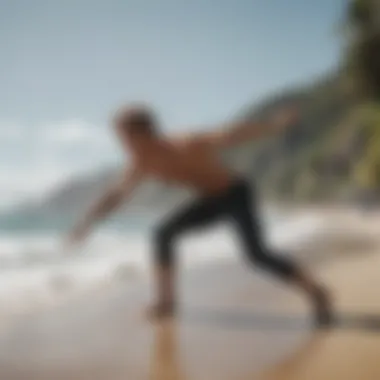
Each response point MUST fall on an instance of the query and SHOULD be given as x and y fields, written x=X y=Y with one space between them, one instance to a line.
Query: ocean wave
x=35 y=272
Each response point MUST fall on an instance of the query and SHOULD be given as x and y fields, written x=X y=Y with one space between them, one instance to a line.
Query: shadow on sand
x=239 y=319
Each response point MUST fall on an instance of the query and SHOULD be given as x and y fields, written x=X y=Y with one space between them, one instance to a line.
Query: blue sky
x=66 y=64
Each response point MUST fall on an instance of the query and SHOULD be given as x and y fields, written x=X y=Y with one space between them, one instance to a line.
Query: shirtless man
x=222 y=195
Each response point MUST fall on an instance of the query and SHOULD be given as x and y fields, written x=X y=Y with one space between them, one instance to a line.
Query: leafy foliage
x=363 y=55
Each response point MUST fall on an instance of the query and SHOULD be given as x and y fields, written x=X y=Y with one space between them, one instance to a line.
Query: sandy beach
x=233 y=323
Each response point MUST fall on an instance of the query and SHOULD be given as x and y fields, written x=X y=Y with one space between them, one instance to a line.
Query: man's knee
x=162 y=236
x=163 y=241
x=276 y=264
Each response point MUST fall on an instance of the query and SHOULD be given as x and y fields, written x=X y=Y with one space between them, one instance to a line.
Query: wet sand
x=233 y=325
x=350 y=349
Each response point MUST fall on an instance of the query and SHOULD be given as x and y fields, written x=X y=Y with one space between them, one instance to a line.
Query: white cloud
x=29 y=181
x=74 y=132
x=40 y=157
x=69 y=134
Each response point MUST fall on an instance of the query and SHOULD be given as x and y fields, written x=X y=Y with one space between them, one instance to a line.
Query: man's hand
x=108 y=203
x=285 y=118
x=75 y=238
x=78 y=235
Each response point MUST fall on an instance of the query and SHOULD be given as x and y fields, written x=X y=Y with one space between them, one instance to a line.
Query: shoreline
x=346 y=231
x=234 y=323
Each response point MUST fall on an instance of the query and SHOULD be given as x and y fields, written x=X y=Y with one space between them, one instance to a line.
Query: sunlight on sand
x=248 y=327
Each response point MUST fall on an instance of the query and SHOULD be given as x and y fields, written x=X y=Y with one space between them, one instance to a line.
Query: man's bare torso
x=186 y=163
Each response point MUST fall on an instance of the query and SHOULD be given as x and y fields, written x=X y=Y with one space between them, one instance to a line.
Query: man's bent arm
x=108 y=203
x=238 y=133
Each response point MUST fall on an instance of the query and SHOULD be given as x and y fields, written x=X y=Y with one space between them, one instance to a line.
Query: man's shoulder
x=187 y=141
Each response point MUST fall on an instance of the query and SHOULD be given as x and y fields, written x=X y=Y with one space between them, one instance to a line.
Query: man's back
x=189 y=163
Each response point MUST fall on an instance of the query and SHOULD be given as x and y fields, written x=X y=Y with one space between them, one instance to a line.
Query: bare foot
x=160 y=311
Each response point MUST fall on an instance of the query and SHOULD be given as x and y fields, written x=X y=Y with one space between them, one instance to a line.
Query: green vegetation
x=335 y=151
x=368 y=168
x=363 y=57
x=364 y=62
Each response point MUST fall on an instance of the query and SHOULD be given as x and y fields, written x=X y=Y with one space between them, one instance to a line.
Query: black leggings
x=237 y=205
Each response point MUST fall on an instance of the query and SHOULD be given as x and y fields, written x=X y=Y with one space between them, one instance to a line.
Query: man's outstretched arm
x=238 y=133
x=108 y=203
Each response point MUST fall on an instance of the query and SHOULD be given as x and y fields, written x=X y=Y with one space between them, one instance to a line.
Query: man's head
x=136 y=126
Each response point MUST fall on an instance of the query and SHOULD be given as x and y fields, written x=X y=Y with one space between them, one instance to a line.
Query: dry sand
x=233 y=325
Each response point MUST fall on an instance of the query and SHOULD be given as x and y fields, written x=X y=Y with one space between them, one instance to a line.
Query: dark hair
x=136 y=119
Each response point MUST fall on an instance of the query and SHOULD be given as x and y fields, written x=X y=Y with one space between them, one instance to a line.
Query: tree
x=363 y=63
